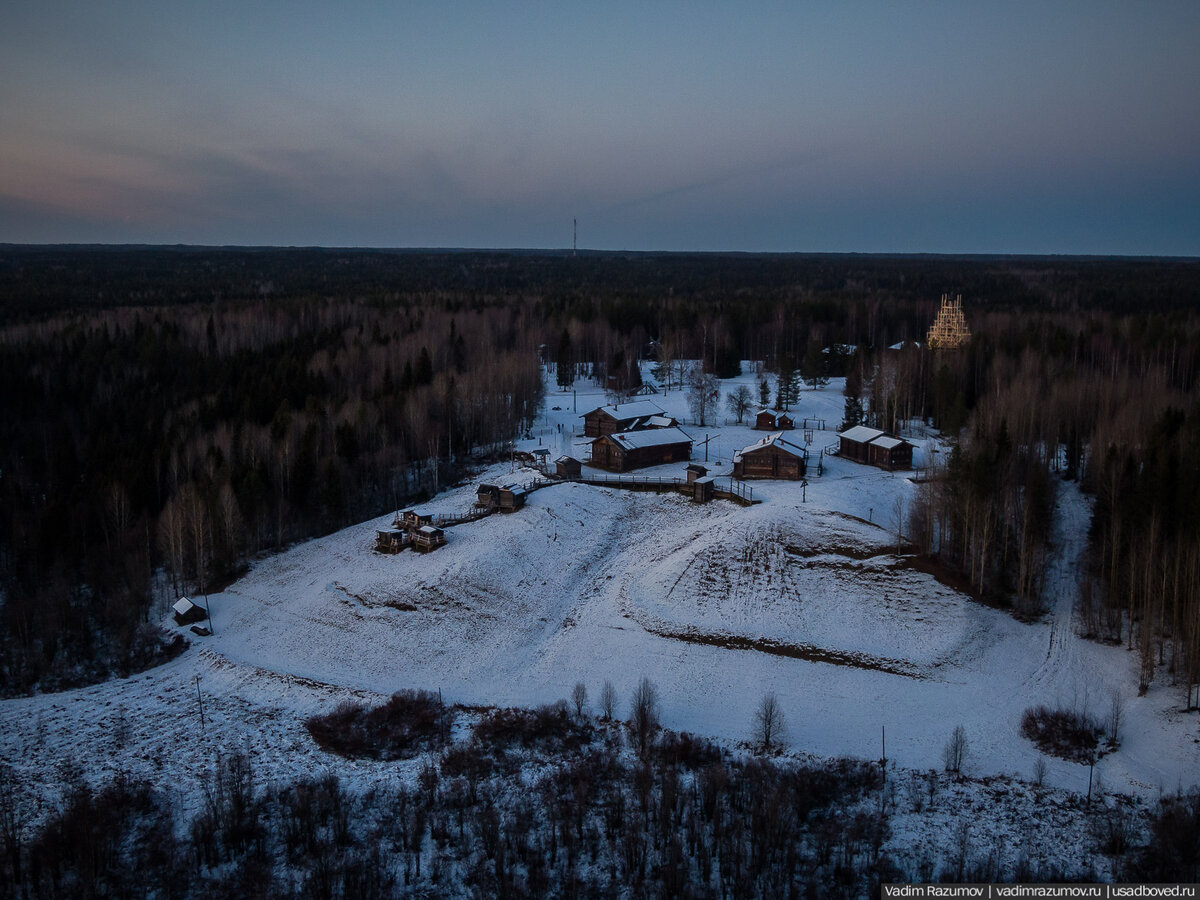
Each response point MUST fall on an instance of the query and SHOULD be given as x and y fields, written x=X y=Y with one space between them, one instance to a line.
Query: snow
x=772 y=440
x=716 y=603
x=861 y=433
x=656 y=437
x=636 y=410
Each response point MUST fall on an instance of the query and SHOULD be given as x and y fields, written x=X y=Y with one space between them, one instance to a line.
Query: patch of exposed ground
x=792 y=651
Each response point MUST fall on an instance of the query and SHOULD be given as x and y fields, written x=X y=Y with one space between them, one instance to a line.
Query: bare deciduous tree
x=739 y=402
x=579 y=698
x=608 y=701
x=703 y=391
x=769 y=727
x=1116 y=712
x=954 y=754
x=643 y=714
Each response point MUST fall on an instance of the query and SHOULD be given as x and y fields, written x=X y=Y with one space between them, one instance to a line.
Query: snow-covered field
x=717 y=604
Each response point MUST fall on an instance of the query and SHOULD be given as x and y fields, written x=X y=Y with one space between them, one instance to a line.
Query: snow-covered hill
x=801 y=595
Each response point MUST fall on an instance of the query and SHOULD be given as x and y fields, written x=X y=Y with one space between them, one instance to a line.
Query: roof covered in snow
x=182 y=605
x=636 y=410
x=861 y=433
x=658 y=437
x=775 y=439
x=888 y=442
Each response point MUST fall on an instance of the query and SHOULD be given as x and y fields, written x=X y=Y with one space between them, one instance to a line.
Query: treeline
x=189 y=437
x=1107 y=399
x=178 y=410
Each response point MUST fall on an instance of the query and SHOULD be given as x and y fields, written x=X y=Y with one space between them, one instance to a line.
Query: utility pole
x=575 y=238
x=883 y=758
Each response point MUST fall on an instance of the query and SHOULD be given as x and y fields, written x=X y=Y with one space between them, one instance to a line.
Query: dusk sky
x=951 y=127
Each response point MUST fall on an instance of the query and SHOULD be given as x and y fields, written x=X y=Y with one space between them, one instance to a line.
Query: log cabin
x=874 y=447
x=768 y=420
x=772 y=457
x=638 y=449
x=636 y=416
x=568 y=467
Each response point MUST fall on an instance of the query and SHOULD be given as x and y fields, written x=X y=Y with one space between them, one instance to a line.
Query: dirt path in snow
x=1071 y=516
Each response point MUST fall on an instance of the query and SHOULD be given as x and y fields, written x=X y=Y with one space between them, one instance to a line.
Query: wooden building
x=638 y=449
x=772 y=457
x=187 y=612
x=890 y=453
x=487 y=496
x=874 y=447
x=391 y=540
x=568 y=467
x=512 y=498
x=769 y=420
x=636 y=416
x=428 y=538
x=694 y=471
x=411 y=520
x=703 y=488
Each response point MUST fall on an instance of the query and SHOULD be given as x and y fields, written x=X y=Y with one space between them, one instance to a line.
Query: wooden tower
x=949 y=330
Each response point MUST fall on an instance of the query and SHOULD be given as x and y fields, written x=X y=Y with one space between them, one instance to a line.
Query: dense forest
x=166 y=413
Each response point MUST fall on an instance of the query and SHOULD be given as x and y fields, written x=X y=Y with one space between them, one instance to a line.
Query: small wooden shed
x=695 y=471
x=411 y=520
x=702 y=489
x=428 y=538
x=187 y=612
x=568 y=467
x=768 y=420
x=512 y=498
x=391 y=540
x=487 y=496
x=875 y=448
x=890 y=453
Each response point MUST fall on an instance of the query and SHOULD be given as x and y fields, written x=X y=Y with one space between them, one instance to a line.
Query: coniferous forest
x=167 y=413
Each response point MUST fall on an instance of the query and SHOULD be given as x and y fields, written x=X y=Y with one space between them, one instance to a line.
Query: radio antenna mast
x=575 y=238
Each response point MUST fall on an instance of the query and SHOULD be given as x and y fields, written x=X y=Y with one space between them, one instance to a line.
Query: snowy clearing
x=717 y=604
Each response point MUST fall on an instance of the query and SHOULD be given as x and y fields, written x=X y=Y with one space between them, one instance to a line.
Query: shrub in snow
x=409 y=722
x=549 y=729
x=1062 y=733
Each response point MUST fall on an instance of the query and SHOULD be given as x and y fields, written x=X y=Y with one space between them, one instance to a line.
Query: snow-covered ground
x=717 y=604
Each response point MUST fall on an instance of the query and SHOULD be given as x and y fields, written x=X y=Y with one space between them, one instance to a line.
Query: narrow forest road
x=1072 y=515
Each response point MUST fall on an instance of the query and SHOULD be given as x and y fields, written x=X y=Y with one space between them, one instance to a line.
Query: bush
x=1068 y=735
x=411 y=721
x=547 y=728
x=688 y=751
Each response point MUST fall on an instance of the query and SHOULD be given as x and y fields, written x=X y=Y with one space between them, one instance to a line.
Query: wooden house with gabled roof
x=568 y=467
x=637 y=416
x=187 y=612
x=772 y=457
x=875 y=447
x=638 y=449
x=770 y=420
